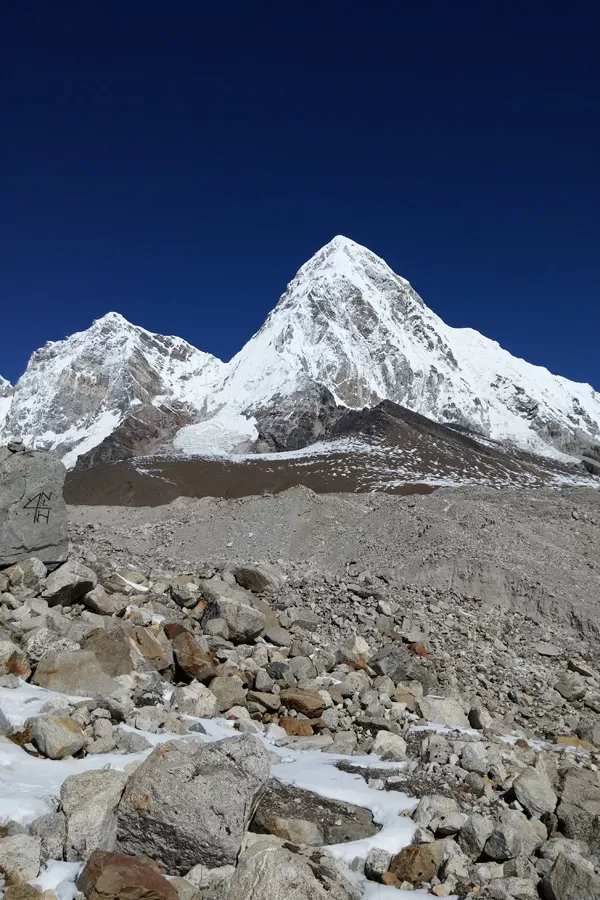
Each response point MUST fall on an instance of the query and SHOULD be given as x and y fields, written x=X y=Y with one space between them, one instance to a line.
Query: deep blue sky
x=177 y=162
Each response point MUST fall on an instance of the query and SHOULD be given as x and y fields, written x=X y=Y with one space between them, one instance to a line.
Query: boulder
x=20 y=857
x=474 y=758
x=58 y=736
x=579 y=808
x=534 y=792
x=270 y=702
x=274 y=873
x=474 y=834
x=514 y=835
x=377 y=863
x=98 y=601
x=217 y=589
x=243 y=621
x=263 y=577
x=229 y=691
x=69 y=583
x=13 y=661
x=41 y=640
x=389 y=746
x=77 y=672
x=195 y=699
x=89 y=802
x=52 y=831
x=114 y=651
x=303 y=618
x=309 y=703
x=443 y=711
x=338 y=822
x=398 y=663
x=193 y=663
x=570 y=879
x=418 y=863
x=158 y=654
x=513 y=888
x=29 y=573
x=191 y=803
x=114 y=876
x=33 y=515
x=25 y=892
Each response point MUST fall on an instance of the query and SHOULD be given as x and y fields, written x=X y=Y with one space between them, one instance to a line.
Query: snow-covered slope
x=348 y=322
x=5 y=398
x=346 y=330
x=76 y=392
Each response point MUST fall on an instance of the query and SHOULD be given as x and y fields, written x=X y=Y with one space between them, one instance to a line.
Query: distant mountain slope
x=387 y=448
x=76 y=392
x=5 y=399
x=347 y=333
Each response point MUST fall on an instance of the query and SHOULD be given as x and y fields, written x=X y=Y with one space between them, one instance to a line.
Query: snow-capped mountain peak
x=347 y=330
x=75 y=392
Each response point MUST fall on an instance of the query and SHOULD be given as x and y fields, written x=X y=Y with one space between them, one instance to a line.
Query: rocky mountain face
x=77 y=392
x=347 y=333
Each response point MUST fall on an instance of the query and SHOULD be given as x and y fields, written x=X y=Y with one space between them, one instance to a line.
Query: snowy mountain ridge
x=347 y=326
x=5 y=398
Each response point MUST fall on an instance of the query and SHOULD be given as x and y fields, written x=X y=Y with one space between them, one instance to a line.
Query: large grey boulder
x=73 y=672
x=274 y=873
x=20 y=857
x=191 y=803
x=398 y=663
x=282 y=806
x=195 y=700
x=243 y=621
x=29 y=574
x=89 y=801
x=263 y=577
x=58 y=736
x=33 y=514
x=579 y=809
x=69 y=583
x=443 y=711
x=534 y=792
x=571 y=879
x=51 y=829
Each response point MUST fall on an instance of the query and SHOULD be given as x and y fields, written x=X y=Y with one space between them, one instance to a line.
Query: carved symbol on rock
x=40 y=507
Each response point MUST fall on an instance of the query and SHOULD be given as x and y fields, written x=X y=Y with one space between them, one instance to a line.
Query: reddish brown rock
x=193 y=663
x=309 y=703
x=16 y=664
x=296 y=727
x=173 y=629
x=114 y=876
x=389 y=879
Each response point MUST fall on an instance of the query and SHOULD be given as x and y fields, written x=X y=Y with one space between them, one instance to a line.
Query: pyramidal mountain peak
x=347 y=333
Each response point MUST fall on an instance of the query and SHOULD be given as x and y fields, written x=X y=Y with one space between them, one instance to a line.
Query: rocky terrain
x=388 y=448
x=305 y=696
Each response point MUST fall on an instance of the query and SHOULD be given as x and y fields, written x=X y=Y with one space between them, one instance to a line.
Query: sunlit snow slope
x=346 y=323
x=5 y=399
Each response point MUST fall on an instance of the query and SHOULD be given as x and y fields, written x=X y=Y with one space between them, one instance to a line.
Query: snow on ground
x=30 y=786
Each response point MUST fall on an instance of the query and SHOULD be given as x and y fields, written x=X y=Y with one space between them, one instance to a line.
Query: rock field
x=307 y=697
